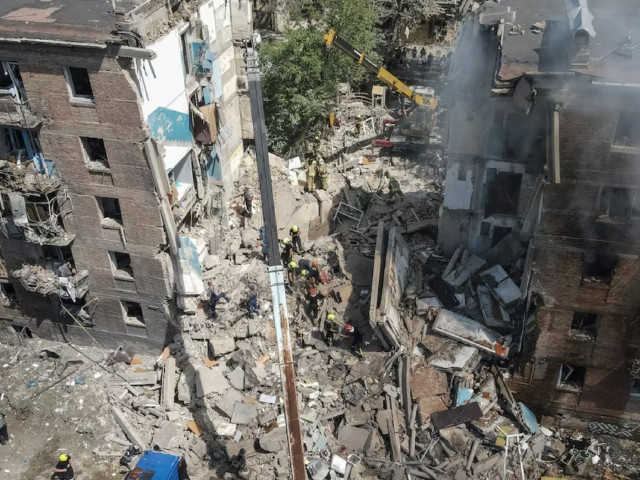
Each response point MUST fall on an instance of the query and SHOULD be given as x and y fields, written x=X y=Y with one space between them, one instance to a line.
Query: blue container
x=155 y=466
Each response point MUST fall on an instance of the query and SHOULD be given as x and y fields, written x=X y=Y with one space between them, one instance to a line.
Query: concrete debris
x=210 y=380
x=243 y=413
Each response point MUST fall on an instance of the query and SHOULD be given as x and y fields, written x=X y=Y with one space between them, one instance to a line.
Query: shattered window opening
x=598 y=268
x=585 y=324
x=79 y=83
x=615 y=204
x=110 y=210
x=95 y=154
x=571 y=378
x=627 y=130
x=121 y=265
x=132 y=312
x=503 y=194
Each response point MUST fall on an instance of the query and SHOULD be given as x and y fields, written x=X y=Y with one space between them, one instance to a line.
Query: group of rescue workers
x=307 y=273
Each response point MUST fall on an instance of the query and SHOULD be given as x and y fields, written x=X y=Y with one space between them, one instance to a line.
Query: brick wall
x=114 y=117
x=568 y=229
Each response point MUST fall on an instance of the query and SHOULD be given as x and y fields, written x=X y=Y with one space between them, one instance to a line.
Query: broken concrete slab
x=456 y=358
x=463 y=270
x=423 y=304
x=132 y=434
x=236 y=377
x=228 y=402
x=494 y=314
x=354 y=438
x=274 y=441
x=142 y=378
x=243 y=413
x=221 y=345
x=169 y=383
x=166 y=436
x=502 y=287
x=267 y=417
x=210 y=380
x=506 y=251
x=470 y=332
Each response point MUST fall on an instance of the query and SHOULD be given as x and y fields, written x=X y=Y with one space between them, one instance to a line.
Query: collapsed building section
x=120 y=128
x=547 y=189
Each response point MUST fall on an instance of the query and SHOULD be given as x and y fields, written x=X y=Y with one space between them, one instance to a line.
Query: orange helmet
x=314 y=264
x=349 y=328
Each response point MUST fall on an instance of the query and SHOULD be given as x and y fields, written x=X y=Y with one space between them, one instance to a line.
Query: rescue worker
x=330 y=329
x=305 y=263
x=394 y=188
x=287 y=251
x=312 y=298
x=323 y=174
x=314 y=273
x=213 y=301
x=4 y=433
x=252 y=305
x=295 y=239
x=292 y=270
x=356 y=339
x=63 y=469
x=316 y=145
x=311 y=175
x=248 y=202
x=358 y=126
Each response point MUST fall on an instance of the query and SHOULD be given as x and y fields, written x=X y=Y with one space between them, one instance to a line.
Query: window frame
x=86 y=99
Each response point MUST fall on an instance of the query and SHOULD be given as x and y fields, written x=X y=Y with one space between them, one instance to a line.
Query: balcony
x=27 y=175
x=34 y=219
x=54 y=278
x=17 y=113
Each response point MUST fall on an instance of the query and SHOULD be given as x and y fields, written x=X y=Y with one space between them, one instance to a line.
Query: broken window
x=571 y=378
x=628 y=130
x=585 y=324
x=95 y=154
x=615 y=203
x=110 y=210
x=121 y=264
x=598 y=268
x=503 y=194
x=79 y=83
x=133 y=314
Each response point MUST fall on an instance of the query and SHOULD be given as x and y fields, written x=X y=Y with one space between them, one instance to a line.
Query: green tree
x=293 y=90
x=300 y=77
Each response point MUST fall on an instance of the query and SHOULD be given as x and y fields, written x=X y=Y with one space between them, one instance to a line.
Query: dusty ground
x=48 y=421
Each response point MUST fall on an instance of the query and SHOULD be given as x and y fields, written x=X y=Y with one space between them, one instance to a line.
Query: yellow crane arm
x=332 y=38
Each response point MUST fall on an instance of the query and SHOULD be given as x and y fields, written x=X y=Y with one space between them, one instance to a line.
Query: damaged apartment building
x=543 y=178
x=120 y=124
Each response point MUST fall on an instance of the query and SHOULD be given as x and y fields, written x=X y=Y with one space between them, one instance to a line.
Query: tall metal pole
x=276 y=273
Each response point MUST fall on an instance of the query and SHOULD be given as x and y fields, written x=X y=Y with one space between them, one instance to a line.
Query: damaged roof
x=613 y=28
x=60 y=20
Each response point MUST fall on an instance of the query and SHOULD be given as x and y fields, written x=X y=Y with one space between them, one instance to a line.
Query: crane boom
x=332 y=38
x=276 y=275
